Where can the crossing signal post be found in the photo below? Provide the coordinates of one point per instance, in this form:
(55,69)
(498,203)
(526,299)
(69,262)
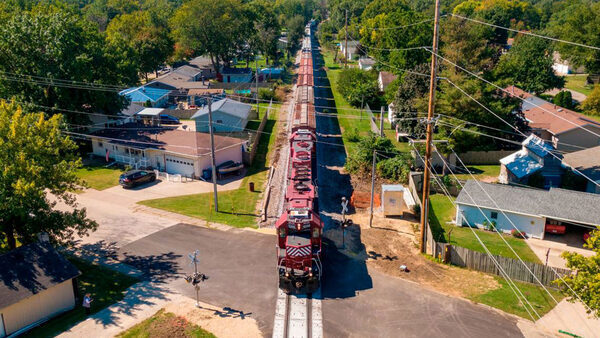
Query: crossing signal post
(196,278)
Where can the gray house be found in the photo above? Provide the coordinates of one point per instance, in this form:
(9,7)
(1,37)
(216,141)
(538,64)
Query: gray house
(36,284)
(228,116)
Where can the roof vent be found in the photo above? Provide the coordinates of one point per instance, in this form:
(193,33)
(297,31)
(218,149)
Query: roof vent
(560,109)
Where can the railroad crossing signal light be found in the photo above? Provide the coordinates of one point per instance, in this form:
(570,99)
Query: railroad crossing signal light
(347,223)
(196,278)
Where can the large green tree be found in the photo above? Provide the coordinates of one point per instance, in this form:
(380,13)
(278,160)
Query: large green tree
(412,90)
(48,44)
(528,65)
(213,28)
(146,34)
(266,28)
(586,282)
(37,160)
(359,87)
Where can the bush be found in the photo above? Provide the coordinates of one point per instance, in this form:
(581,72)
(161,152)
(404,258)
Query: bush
(518,234)
(352,135)
(267,94)
(563,99)
(489,226)
(396,168)
(362,158)
(359,87)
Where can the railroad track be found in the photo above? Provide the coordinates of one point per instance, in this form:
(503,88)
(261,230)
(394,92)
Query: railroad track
(298,316)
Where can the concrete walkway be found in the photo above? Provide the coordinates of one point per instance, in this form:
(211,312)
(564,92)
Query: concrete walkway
(572,318)
(541,247)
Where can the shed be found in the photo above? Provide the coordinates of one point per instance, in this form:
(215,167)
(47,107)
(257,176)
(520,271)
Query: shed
(37,284)
(396,200)
(228,116)
(237,75)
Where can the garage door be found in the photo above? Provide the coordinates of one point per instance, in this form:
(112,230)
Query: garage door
(180,165)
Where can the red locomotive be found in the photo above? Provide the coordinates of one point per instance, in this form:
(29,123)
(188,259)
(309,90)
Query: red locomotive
(299,228)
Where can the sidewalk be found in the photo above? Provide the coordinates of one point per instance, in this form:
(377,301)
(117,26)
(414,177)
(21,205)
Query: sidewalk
(570,317)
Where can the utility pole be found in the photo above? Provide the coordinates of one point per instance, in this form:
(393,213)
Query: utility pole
(430,112)
(212,153)
(381,123)
(372,187)
(346,43)
(257,105)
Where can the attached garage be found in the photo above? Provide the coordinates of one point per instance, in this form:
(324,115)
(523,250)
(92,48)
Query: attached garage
(180,165)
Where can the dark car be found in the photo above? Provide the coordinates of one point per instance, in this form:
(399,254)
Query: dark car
(133,178)
(168,119)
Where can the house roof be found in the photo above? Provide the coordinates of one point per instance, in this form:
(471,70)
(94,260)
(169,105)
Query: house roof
(542,114)
(179,81)
(201,62)
(537,145)
(205,91)
(366,61)
(586,161)
(163,138)
(561,204)
(227,106)
(132,109)
(188,70)
(144,93)
(387,78)
(235,71)
(521,164)
(150,112)
(31,269)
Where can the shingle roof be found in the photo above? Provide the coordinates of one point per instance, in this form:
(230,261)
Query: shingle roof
(228,70)
(144,93)
(132,109)
(542,114)
(188,70)
(30,269)
(567,205)
(168,139)
(366,61)
(587,161)
(227,106)
(178,81)
(387,78)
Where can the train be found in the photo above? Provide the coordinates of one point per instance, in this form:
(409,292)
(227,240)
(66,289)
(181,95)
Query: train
(299,228)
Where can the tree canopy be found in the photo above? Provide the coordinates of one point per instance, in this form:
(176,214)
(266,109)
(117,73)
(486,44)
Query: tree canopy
(37,160)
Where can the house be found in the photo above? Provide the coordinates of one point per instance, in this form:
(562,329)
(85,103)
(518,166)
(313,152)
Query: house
(563,67)
(531,210)
(352,48)
(271,72)
(165,149)
(237,75)
(189,71)
(536,156)
(205,65)
(384,79)
(147,96)
(366,63)
(176,81)
(228,116)
(37,284)
(197,97)
(561,126)
(587,162)
(149,116)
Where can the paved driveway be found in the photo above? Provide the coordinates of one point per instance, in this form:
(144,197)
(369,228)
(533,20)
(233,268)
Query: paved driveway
(556,246)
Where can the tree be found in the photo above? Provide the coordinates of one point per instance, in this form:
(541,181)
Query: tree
(412,89)
(585,282)
(359,87)
(563,99)
(591,105)
(216,28)
(396,168)
(51,43)
(528,65)
(361,159)
(266,28)
(144,33)
(295,32)
(37,160)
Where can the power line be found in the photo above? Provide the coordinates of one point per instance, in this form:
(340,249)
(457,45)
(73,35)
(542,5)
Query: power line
(399,27)
(527,33)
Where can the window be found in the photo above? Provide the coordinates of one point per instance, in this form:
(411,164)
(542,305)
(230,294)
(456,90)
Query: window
(219,121)
(494,215)
(100,144)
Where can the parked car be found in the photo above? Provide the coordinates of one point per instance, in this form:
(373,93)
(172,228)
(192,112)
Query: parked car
(168,119)
(134,178)
(229,167)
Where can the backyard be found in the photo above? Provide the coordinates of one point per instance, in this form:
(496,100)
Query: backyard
(578,83)
(106,287)
(442,211)
(238,207)
(481,172)
(98,177)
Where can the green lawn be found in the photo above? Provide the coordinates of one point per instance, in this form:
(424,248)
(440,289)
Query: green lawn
(165,324)
(442,211)
(578,84)
(481,171)
(106,287)
(503,298)
(98,177)
(238,207)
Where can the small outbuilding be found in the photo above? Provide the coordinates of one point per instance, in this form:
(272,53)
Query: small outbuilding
(37,283)
(228,116)
(396,200)
(237,75)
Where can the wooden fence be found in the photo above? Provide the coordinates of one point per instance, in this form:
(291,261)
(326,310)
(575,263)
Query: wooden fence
(373,121)
(248,157)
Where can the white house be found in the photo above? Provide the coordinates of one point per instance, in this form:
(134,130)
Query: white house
(531,210)
(165,149)
(366,63)
(384,79)
(36,284)
(352,48)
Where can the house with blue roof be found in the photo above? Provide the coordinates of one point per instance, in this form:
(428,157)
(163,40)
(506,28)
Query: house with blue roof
(535,157)
(147,96)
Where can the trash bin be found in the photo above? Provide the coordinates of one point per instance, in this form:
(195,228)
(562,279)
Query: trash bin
(251,186)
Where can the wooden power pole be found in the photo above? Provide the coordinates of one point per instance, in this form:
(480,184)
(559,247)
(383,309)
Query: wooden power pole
(430,112)
(212,153)
(346,42)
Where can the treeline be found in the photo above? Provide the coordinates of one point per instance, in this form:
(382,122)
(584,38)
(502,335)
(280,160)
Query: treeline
(391,31)
(115,43)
